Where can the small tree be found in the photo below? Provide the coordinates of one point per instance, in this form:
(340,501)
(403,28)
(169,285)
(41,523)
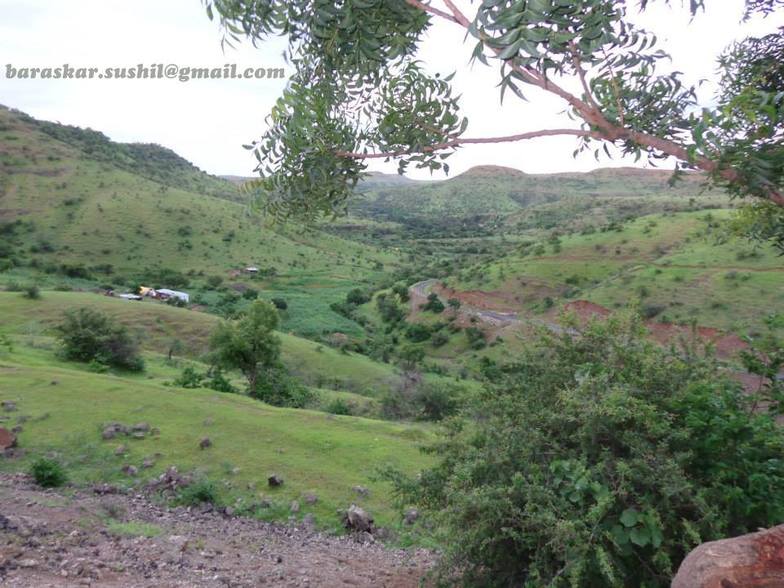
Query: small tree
(88,335)
(250,344)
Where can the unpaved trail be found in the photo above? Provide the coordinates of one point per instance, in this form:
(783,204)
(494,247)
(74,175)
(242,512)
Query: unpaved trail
(73,538)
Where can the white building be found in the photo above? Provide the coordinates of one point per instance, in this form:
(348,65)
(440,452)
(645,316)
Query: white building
(173,294)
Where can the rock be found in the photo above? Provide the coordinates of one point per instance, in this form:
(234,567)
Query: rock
(148,463)
(27,563)
(8,405)
(357,520)
(365,537)
(17,429)
(748,561)
(361,490)
(275,480)
(111,430)
(155,431)
(410,516)
(138,434)
(7,439)
(311,499)
(130,470)
(53,383)
(170,480)
(209,421)
(141,427)
(228,511)
(294,506)
(102,489)
(205,443)
(121,450)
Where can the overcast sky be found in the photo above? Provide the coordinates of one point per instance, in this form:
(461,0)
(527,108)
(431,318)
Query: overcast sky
(207,121)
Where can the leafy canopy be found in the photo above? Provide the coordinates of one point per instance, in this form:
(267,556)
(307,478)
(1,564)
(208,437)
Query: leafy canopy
(599,459)
(358,91)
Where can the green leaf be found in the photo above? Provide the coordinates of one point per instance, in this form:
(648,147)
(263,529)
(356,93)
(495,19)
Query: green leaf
(629,517)
(640,536)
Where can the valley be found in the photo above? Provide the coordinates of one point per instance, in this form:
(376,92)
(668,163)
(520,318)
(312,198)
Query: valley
(392,318)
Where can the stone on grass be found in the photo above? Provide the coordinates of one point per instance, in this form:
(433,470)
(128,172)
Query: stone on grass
(355,519)
(205,443)
(130,470)
(121,450)
(9,405)
(294,506)
(410,516)
(275,480)
(7,439)
(311,499)
(361,490)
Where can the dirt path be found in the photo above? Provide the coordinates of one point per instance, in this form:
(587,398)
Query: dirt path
(82,539)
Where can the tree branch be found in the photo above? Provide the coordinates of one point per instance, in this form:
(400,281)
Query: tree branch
(478,140)
(431,10)
(590,111)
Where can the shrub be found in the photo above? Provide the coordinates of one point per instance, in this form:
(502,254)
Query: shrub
(280,303)
(32,292)
(611,456)
(199,492)
(433,304)
(88,335)
(357,297)
(275,386)
(189,378)
(48,473)
(339,406)
(418,333)
(214,282)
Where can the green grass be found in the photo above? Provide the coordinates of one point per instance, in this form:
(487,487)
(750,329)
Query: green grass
(312,451)
(133,529)
(98,209)
(157,325)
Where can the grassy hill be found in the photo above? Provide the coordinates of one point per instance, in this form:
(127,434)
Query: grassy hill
(75,205)
(488,199)
(64,410)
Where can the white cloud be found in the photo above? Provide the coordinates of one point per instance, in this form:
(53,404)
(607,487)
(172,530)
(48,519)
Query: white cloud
(207,121)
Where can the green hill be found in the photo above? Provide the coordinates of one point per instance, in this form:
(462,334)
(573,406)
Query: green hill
(75,205)
(488,199)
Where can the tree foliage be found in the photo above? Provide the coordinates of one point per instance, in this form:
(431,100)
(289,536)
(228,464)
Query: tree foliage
(250,343)
(88,335)
(599,460)
(358,91)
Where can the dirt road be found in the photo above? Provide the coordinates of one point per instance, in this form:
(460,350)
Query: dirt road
(78,538)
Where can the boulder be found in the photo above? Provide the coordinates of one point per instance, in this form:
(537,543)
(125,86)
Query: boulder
(311,498)
(8,405)
(410,516)
(357,520)
(121,450)
(275,480)
(205,443)
(148,463)
(755,560)
(361,490)
(7,439)
(141,427)
(294,506)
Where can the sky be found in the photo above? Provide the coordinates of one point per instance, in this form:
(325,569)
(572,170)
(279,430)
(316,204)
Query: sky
(208,121)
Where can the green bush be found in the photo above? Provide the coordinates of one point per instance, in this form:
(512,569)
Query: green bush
(32,292)
(599,460)
(418,333)
(48,473)
(199,492)
(88,335)
(339,406)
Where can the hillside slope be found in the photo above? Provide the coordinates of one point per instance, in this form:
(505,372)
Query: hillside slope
(69,197)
